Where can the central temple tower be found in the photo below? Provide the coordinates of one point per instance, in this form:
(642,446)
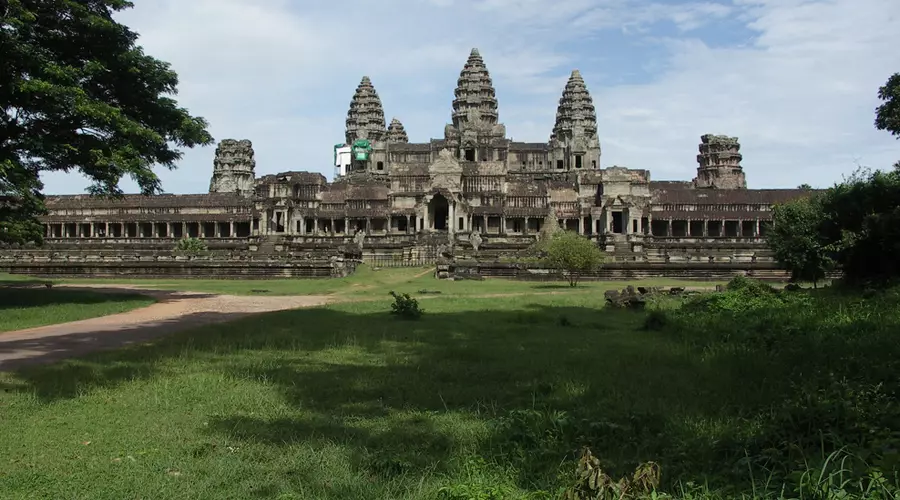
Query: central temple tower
(475,134)
(574,143)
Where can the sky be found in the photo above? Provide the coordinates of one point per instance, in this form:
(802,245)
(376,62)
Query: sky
(795,80)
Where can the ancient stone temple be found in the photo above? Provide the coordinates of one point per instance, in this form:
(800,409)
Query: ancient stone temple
(471,195)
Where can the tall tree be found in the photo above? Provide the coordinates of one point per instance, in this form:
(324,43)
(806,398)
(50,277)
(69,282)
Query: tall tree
(78,94)
(795,239)
(887,116)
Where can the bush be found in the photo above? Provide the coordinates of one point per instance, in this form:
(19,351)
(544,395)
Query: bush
(656,320)
(405,307)
(190,246)
(571,254)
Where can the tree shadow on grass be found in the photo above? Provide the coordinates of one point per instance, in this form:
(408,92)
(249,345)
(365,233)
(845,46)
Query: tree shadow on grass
(36,297)
(514,384)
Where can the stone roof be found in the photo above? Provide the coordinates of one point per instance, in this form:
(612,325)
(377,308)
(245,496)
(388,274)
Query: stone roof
(293,178)
(365,118)
(576,109)
(412,147)
(537,188)
(476,98)
(152,201)
(681,195)
(355,189)
(528,146)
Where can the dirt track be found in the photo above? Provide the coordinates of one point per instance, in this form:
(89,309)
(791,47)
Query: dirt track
(173,311)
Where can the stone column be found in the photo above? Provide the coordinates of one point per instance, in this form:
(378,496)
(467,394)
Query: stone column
(669,227)
(231,229)
(368,226)
(705,228)
(451,214)
(756,229)
(409,228)
(316,226)
(484,227)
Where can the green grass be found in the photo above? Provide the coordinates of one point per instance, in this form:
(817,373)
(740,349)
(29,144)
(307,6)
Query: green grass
(366,282)
(22,308)
(348,402)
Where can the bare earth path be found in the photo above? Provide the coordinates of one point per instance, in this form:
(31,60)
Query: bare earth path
(173,311)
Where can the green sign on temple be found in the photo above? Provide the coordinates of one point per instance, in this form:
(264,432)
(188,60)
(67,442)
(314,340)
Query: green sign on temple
(361,149)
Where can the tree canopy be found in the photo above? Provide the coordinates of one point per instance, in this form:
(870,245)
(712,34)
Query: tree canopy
(572,254)
(887,115)
(795,242)
(856,222)
(78,94)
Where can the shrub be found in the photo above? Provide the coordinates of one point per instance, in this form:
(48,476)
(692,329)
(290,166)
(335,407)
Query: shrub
(190,246)
(405,307)
(572,254)
(656,320)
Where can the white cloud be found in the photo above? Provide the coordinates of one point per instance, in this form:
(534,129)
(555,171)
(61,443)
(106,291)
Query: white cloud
(800,92)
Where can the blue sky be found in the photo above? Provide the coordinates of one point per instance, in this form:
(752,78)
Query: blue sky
(795,80)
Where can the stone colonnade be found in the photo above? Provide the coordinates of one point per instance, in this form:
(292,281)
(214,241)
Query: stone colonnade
(149,229)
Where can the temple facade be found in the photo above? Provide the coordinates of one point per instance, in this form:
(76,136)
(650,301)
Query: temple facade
(471,194)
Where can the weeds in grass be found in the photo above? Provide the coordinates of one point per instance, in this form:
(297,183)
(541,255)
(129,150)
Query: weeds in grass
(405,306)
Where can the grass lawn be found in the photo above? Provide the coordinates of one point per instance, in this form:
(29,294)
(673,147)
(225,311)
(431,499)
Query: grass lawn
(348,402)
(31,307)
(366,282)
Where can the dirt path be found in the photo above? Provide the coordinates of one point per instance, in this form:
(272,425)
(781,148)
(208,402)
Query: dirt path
(173,311)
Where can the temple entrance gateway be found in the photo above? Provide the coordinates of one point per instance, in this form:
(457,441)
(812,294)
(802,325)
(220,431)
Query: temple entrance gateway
(439,213)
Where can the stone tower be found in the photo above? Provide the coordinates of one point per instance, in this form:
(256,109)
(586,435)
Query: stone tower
(574,143)
(396,133)
(475,133)
(720,163)
(234,168)
(365,118)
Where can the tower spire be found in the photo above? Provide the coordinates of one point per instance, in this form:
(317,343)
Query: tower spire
(573,142)
(396,133)
(365,118)
(475,100)
(576,114)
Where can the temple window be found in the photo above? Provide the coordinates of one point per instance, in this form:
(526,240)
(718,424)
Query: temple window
(379,165)
(559,164)
(470,154)
(577,161)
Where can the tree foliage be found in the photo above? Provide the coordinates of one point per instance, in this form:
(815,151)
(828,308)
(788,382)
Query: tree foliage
(887,115)
(856,222)
(572,254)
(854,225)
(191,247)
(77,93)
(795,242)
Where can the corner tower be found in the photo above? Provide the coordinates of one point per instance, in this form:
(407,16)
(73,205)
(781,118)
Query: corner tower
(366,130)
(234,168)
(574,144)
(475,133)
(719,163)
